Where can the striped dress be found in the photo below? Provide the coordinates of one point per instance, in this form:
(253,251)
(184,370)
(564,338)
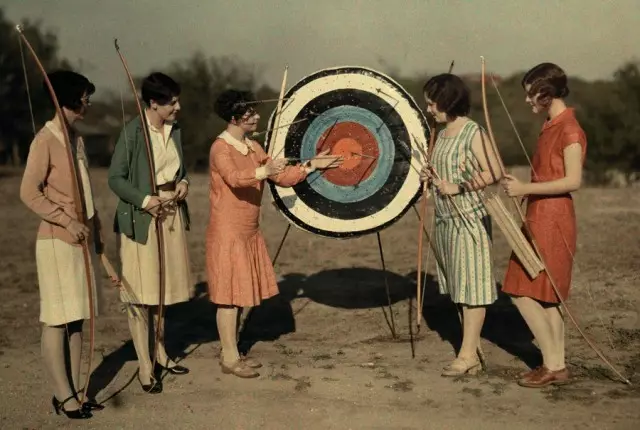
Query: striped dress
(463,243)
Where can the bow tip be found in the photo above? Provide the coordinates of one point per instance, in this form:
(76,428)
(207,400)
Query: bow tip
(115,42)
(19,28)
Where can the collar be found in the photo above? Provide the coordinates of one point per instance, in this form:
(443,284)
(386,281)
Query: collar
(54,127)
(168,126)
(565,115)
(240,146)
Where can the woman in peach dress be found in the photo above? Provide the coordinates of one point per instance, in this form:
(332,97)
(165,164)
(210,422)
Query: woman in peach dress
(239,270)
(556,173)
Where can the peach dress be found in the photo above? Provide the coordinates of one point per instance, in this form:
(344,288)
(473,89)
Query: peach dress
(551,219)
(239,270)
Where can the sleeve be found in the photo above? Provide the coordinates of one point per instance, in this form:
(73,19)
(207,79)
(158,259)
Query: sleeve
(221,161)
(119,173)
(290,176)
(31,188)
(571,135)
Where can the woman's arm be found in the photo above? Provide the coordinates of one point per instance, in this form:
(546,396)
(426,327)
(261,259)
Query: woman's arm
(221,160)
(33,180)
(571,182)
(488,167)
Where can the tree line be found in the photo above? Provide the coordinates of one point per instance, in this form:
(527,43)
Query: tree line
(609,110)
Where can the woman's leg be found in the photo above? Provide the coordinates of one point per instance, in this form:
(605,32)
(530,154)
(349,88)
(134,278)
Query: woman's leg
(139,320)
(537,319)
(227,321)
(53,354)
(75,352)
(556,322)
(472,321)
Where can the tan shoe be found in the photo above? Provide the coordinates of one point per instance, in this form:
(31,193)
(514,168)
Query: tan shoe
(250,362)
(239,369)
(461,366)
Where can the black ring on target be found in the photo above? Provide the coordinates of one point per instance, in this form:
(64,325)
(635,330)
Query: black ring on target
(401,165)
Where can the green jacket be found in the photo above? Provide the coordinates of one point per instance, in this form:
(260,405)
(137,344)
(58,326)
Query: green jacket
(129,179)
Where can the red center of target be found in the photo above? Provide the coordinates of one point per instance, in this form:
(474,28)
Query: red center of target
(359,150)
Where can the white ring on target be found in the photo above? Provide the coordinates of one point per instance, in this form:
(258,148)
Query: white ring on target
(375,83)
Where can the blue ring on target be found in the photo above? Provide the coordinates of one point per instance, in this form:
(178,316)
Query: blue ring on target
(386,151)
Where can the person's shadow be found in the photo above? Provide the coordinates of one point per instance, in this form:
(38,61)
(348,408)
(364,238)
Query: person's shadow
(503,325)
(191,324)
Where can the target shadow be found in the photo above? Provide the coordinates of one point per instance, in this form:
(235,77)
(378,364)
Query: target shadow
(503,325)
(347,288)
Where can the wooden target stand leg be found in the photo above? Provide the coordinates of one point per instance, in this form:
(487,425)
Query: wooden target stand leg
(246,312)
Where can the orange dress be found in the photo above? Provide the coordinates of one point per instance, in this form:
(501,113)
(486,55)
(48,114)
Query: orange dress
(551,219)
(239,270)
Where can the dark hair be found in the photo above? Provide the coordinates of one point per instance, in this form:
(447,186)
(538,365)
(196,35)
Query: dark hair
(232,104)
(449,93)
(69,87)
(548,80)
(159,88)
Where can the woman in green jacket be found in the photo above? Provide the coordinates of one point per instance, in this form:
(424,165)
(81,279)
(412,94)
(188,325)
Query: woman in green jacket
(151,220)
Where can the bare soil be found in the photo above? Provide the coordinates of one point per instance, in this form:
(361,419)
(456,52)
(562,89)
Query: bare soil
(330,359)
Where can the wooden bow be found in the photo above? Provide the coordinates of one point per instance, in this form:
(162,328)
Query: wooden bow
(531,237)
(80,209)
(154,191)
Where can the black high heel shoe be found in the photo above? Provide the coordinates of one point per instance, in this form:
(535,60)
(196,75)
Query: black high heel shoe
(78,414)
(175,370)
(91,406)
(154,387)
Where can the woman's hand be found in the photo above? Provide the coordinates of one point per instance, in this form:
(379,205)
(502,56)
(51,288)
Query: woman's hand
(513,186)
(78,230)
(182,189)
(447,188)
(425,174)
(274,167)
(324,161)
(154,206)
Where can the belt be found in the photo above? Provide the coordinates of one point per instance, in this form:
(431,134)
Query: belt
(169,186)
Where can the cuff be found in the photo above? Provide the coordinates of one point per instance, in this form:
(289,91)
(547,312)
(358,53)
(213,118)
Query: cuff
(65,220)
(145,202)
(261,173)
(185,181)
(307,167)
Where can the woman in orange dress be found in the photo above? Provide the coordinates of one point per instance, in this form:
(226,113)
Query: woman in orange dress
(556,172)
(239,270)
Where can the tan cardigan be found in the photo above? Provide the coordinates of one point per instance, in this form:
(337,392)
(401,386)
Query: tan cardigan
(47,184)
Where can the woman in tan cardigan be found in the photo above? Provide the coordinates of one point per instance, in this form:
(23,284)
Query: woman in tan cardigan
(48,190)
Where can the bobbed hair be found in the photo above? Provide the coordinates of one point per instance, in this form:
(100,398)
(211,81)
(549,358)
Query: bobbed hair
(159,88)
(548,80)
(450,94)
(233,104)
(69,88)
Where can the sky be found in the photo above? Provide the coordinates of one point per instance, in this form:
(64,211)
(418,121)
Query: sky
(588,38)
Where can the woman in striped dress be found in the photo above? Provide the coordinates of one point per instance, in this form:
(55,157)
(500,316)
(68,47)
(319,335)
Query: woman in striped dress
(463,163)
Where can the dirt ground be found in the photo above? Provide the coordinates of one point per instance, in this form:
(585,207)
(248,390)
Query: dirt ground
(330,360)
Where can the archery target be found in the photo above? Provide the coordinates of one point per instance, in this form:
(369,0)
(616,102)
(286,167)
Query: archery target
(375,125)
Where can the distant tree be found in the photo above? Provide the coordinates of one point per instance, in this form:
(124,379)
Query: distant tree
(202,79)
(16,127)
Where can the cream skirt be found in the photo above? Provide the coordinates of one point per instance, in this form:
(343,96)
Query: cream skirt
(64,296)
(139,269)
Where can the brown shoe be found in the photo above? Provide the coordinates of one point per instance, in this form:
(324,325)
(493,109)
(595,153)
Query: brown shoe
(529,373)
(546,377)
(239,369)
